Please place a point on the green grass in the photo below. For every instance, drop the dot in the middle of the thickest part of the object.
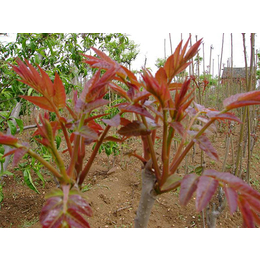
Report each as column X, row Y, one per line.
column 27, row 224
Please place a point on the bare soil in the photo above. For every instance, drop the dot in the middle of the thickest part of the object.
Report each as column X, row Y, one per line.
column 114, row 192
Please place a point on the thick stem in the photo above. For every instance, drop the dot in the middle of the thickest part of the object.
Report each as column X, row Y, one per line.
column 148, row 197
column 152, row 152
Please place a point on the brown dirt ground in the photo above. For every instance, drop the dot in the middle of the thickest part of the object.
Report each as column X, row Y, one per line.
column 114, row 195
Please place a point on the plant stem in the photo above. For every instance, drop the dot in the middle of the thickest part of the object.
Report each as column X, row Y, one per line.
column 45, row 163
column 183, row 140
column 165, row 150
column 75, row 148
column 152, row 152
column 85, row 171
column 190, row 145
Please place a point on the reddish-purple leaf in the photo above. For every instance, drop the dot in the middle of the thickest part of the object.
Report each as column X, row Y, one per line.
column 154, row 110
column 81, row 106
column 243, row 99
column 115, row 121
column 188, row 186
column 8, row 139
column 231, row 196
column 118, row 90
column 18, row 155
column 234, row 182
column 87, row 133
column 77, row 203
column 114, row 139
column 206, row 146
column 124, row 121
column 253, row 202
column 141, row 96
column 135, row 128
column 227, row 116
column 178, row 127
column 61, row 210
column 206, row 189
column 246, row 213
column 136, row 109
column 41, row 102
column 200, row 108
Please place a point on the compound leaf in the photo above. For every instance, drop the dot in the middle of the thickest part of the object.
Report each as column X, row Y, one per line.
column 188, row 186
column 135, row 128
column 206, row 189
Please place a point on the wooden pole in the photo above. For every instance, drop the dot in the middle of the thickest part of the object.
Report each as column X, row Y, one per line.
column 170, row 42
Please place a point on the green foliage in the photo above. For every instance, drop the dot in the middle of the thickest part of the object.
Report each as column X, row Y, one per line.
column 110, row 148
column 160, row 63
column 57, row 52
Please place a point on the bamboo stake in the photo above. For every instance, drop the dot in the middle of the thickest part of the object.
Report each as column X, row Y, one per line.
column 229, row 90
column 248, row 109
column 220, row 64
column 170, row 42
column 243, row 118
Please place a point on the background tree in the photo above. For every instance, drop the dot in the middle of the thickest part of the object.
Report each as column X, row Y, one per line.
column 58, row 52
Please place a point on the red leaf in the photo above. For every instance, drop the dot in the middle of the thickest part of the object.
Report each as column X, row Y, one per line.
column 124, row 121
column 18, row 155
column 134, row 128
column 141, row 96
column 45, row 82
column 87, row 133
column 59, row 92
column 234, row 182
column 153, row 109
column 41, row 102
column 206, row 146
column 246, row 213
column 161, row 77
column 114, row 139
column 227, row 116
column 81, row 106
column 231, row 196
column 188, row 186
column 152, row 86
column 175, row 86
column 206, row 189
column 95, row 126
column 178, row 61
column 65, row 211
column 121, row 92
column 178, row 127
column 243, row 99
column 115, row 121
column 193, row 50
column 254, row 203
column 29, row 76
column 136, row 109
column 8, row 139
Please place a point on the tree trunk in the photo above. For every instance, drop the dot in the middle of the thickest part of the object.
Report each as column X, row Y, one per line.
column 148, row 197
